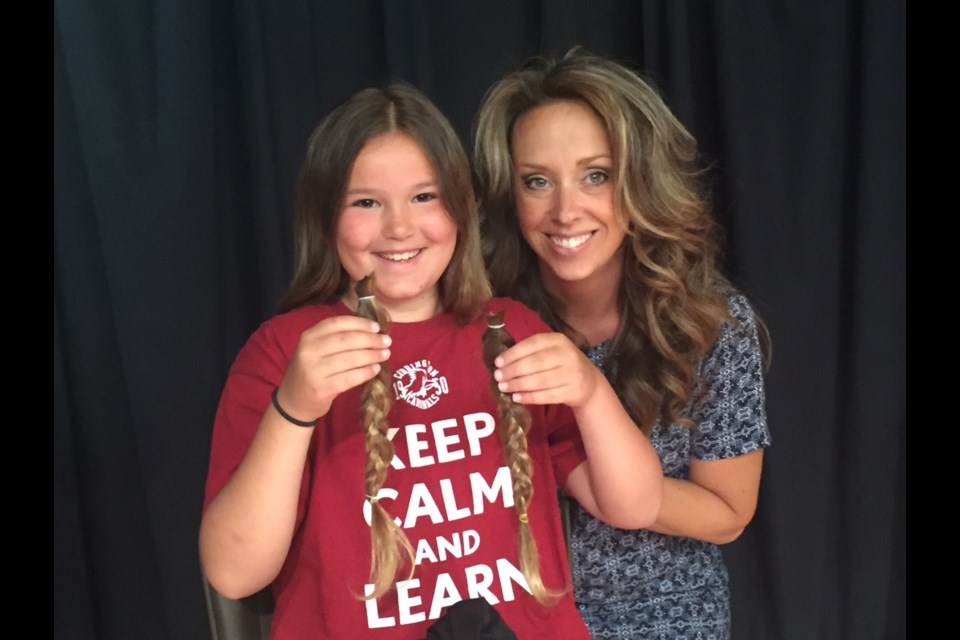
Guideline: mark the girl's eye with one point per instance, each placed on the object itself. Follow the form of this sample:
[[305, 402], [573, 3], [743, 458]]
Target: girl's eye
[[425, 197], [535, 182], [597, 177], [364, 203]]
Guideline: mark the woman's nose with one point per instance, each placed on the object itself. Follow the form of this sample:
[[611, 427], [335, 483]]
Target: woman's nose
[[566, 205]]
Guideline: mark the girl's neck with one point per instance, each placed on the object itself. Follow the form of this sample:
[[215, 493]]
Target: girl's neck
[[423, 307], [590, 306]]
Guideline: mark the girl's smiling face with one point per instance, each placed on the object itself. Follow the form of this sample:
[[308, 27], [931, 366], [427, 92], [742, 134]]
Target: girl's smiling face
[[395, 225]]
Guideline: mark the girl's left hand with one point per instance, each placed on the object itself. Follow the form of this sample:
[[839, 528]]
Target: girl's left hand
[[547, 368]]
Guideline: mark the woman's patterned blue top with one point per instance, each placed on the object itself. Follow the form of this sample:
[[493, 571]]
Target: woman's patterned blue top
[[645, 585]]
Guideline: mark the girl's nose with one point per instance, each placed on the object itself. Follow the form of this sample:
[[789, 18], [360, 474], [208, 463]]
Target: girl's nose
[[397, 222]]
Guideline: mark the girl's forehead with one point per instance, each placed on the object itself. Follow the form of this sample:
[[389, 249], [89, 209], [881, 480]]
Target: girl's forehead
[[392, 159]]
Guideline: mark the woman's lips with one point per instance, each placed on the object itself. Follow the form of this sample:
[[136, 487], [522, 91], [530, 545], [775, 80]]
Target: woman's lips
[[569, 242]]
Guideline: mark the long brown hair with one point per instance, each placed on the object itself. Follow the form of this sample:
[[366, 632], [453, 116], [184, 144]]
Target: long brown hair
[[387, 539], [514, 424], [669, 298], [325, 171]]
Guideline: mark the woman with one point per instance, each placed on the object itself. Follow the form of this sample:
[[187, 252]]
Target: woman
[[594, 216]]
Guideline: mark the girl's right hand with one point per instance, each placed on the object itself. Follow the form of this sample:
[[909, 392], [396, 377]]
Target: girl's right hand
[[334, 355]]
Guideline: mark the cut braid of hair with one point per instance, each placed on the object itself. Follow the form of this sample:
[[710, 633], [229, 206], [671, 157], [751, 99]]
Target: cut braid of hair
[[386, 538], [514, 423]]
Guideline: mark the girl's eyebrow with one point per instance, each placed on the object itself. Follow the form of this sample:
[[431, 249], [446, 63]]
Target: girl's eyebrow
[[429, 184]]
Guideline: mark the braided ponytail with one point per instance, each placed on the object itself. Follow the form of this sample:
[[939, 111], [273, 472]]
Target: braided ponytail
[[386, 538], [514, 424]]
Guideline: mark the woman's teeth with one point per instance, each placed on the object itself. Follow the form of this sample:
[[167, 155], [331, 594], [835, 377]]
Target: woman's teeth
[[570, 243]]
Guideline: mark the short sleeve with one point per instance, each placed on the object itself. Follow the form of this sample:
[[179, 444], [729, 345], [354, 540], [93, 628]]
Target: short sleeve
[[566, 445], [257, 370], [728, 405], [242, 404]]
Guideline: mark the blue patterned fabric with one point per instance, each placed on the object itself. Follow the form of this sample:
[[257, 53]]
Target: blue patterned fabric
[[646, 585]]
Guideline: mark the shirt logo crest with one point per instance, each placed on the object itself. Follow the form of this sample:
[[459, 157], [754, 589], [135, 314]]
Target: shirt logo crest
[[419, 384]]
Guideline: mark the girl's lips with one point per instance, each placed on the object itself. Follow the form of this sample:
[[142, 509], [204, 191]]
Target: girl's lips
[[399, 256], [570, 243]]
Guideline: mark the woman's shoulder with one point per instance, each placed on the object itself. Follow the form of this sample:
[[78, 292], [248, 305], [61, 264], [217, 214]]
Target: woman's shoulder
[[739, 309], [741, 332]]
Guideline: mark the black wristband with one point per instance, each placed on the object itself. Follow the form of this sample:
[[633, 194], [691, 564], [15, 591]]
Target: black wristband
[[286, 416]]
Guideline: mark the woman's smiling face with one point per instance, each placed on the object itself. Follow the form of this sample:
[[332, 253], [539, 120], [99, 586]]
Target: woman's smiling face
[[564, 187]]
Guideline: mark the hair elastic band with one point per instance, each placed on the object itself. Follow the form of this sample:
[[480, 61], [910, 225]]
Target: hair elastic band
[[372, 499], [524, 519], [496, 326], [366, 298], [286, 416]]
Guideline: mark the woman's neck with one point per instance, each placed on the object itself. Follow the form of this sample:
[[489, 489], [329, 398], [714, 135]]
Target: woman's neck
[[590, 306]]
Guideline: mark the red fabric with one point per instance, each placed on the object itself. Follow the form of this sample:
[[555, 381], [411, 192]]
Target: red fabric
[[450, 491]]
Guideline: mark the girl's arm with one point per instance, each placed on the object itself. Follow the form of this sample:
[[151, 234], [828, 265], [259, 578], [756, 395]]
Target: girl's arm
[[246, 530], [621, 480], [719, 498]]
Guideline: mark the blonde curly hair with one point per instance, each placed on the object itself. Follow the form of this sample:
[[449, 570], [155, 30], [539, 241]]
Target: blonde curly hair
[[670, 296]]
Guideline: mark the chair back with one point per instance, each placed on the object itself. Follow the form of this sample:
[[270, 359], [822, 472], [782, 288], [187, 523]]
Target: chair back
[[245, 619]]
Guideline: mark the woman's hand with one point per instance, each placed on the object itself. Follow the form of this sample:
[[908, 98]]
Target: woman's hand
[[547, 368], [334, 355]]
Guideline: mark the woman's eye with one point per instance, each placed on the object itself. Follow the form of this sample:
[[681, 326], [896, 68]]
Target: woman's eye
[[425, 197], [535, 182], [597, 177]]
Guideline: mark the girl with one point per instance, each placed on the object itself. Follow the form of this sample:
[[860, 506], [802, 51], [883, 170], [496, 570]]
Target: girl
[[297, 476], [590, 185]]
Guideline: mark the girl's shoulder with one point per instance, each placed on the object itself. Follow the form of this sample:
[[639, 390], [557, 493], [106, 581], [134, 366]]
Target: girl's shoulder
[[296, 321], [278, 336], [520, 319], [510, 305]]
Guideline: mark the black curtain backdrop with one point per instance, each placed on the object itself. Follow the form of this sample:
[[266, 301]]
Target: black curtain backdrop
[[178, 130]]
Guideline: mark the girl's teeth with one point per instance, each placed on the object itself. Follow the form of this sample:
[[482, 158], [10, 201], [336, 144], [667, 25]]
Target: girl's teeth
[[399, 257], [570, 243]]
